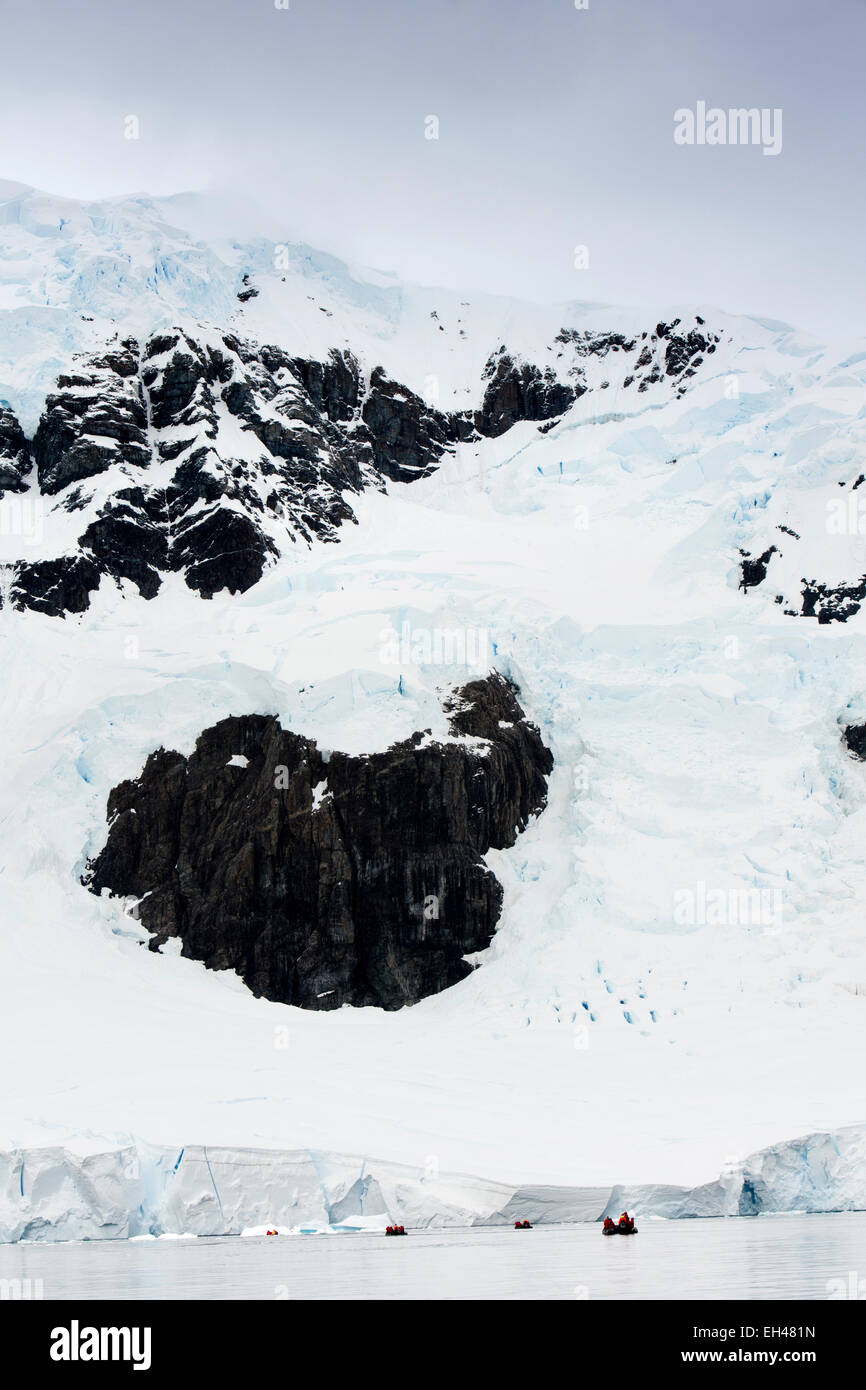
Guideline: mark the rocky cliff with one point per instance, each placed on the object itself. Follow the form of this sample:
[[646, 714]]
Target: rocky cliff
[[329, 879], [14, 453], [209, 455]]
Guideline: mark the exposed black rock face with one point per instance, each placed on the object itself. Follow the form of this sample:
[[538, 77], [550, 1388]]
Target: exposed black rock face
[[671, 351], [329, 880], [831, 604], [96, 418], [753, 568], [408, 436], [596, 344], [59, 586], [334, 386], [222, 450], [207, 457], [247, 291], [683, 351], [15, 461], [855, 739], [519, 391]]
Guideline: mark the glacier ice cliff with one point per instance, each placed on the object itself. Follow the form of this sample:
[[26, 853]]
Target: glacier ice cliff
[[136, 1189]]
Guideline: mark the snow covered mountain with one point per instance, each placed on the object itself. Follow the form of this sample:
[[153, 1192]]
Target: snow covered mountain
[[245, 479], [196, 449]]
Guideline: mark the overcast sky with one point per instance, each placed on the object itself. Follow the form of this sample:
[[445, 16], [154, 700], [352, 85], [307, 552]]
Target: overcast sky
[[555, 131]]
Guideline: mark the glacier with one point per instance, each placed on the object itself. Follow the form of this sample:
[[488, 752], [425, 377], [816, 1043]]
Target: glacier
[[136, 1190]]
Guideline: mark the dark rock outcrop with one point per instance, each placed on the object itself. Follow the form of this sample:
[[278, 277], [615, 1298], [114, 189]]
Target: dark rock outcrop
[[855, 740], [588, 344], [207, 457], [247, 291], [59, 586], [222, 449], [753, 568], [684, 351], [832, 603], [328, 880], [96, 418], [827, 602], [833, 599], [334, 386], [407, 436], [15, 460], [519, 391], [671, 352]]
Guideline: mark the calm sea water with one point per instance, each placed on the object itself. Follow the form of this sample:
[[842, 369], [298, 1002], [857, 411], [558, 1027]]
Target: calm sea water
[[764, 1257]]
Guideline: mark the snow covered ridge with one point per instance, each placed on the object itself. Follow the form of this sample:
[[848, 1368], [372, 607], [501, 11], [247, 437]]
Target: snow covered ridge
[[207, 458], [201, 406], [211, 455], [194, 402], [75, 273], [141, 1189]]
